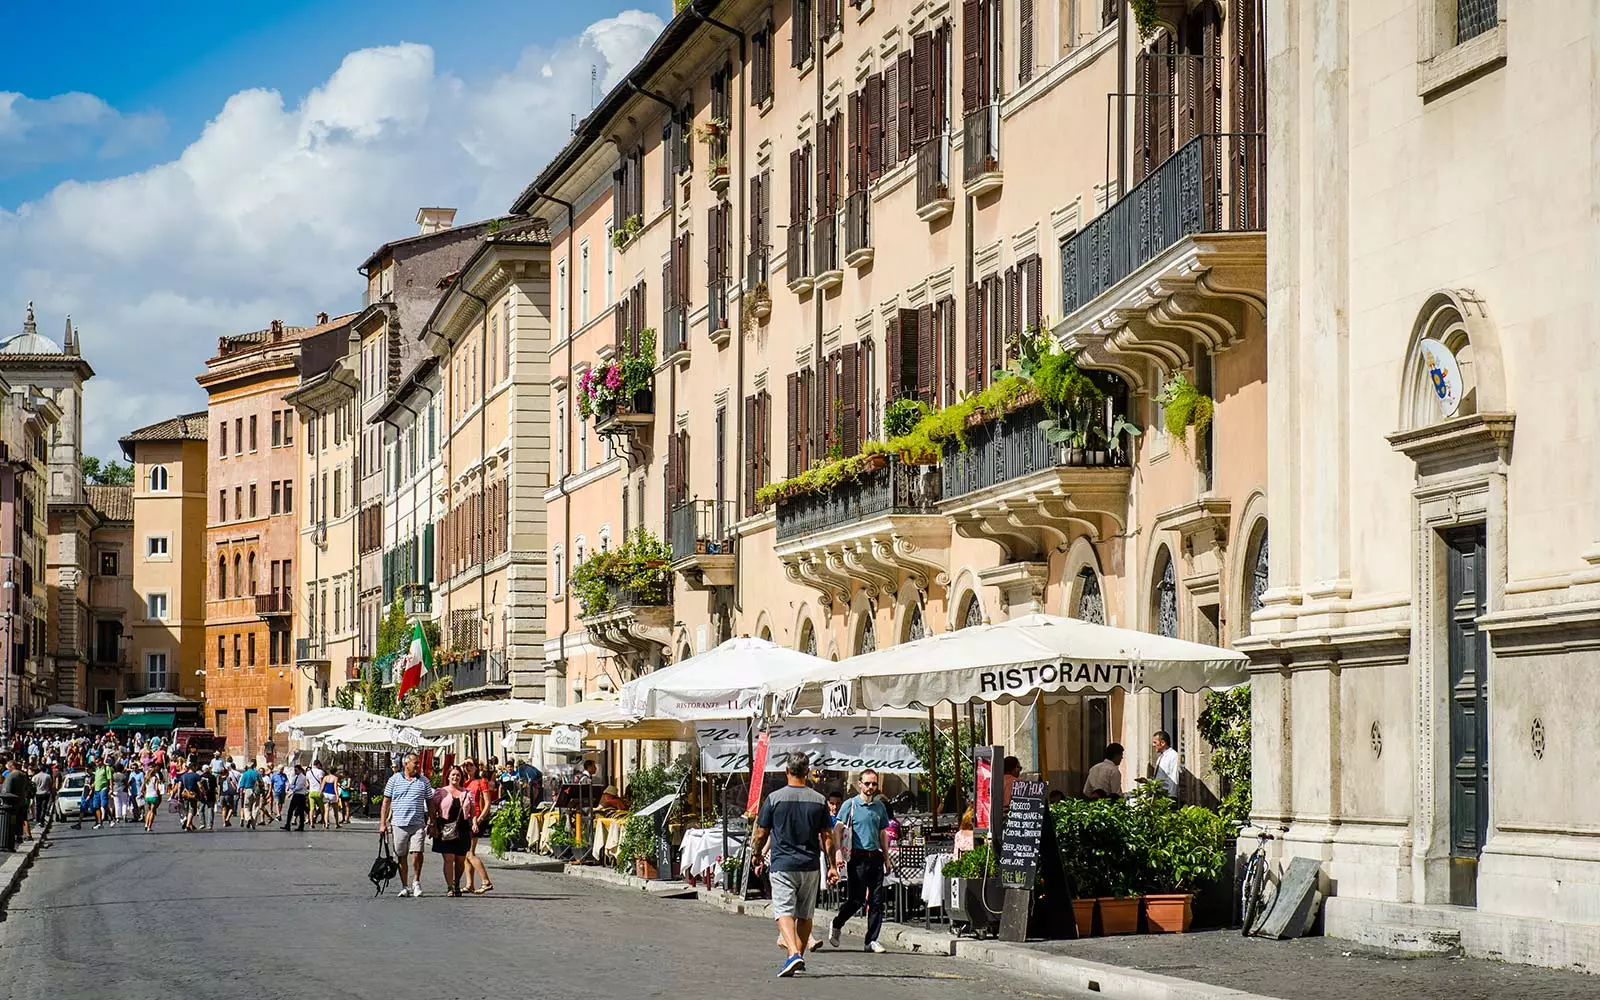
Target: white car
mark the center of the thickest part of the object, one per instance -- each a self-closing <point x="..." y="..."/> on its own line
<point x="70" y="793"/>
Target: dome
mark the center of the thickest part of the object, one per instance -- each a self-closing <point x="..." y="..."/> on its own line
<point x="30" y="343"/>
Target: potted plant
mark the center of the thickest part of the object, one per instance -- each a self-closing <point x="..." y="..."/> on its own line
<point x="976" y="895"/>
<point x="562" y="843"/>
<point x="1101" y="864"/>
<point x="1185" y="407"/>
<point x="1122" y="429"/>
<point x="1181" y="848"/>
<point x="757" y="305"/>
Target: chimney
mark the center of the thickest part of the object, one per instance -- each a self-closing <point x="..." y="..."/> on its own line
<point x="277" y="330"/>
<point x="434" y="220"/>
<point x="322" y="318"/>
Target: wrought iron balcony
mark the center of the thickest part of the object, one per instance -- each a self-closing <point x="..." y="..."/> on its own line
<point x="703" y="542"/>
<point x="274" y="603"/>
<point x="675" y="339"/>
<point x="310" y="650"/>
<point x="623" y="415"/>
<point x="858" y="229"/>
<point x="485" y="669"/>
<point x="981" y="150"/>
<point x="826" y="245"/>
<point x="933" y="179"/>
<point x="757" y="266"/>
<point x="798" y="265"/>
<point x="868" y="531"/>
<point x="717" y="322"/>
<point x="418" y="599"/>
<point x="1012" y="485"/>
<point x="1176" y="267"/>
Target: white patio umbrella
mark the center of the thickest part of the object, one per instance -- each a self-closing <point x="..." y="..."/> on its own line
<point x="734" y="678"/>
<point x="386" y="735"/>
<point x="491" y="713"/>
<point x="320" y="720"/>
<point x="1018" y="659"/>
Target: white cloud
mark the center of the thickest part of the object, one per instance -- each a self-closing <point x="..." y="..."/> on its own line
<point x="269" y="211"/>
<point x="68" y="127"/>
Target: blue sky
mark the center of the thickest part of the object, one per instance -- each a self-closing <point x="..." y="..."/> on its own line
<point x="169" y="178"/>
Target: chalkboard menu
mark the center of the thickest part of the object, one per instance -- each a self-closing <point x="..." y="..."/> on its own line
<point x="1021" y="838"/>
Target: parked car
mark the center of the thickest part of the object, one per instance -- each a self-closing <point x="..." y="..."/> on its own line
<point x="71" y="791"/>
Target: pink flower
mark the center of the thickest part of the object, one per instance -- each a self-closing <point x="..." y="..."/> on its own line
<point x="614" y="377"/>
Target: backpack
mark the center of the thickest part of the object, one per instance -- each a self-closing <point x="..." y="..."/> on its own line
<point x="384" y="867"/>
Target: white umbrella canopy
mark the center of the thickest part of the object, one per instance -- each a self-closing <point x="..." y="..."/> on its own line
<point x="382" y="734"/>
<point x="1023" y="657"/>
<point x="320" y="720"/>
<point x="491" y="713"/>
<point x="735" y="677"/>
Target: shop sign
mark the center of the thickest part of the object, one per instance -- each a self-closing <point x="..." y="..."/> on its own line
<point x="565" y="739"/>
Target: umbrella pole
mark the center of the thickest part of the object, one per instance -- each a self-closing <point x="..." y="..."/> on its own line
<point x="955" y="762"/>
<point x="933" y="769"/>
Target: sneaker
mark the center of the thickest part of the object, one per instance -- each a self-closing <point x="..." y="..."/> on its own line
<point x="97" y="826"/>
<point x="404" y="892"/>
<point x="875" y="948"/>
<point x="791" y="965"/>
<point x="833" y="937"/>
<point x="416" y="890"/>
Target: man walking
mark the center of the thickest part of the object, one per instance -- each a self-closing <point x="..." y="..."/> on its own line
<point x="795" y="819"/>
<point x="43" y="794"/>
<point x="249" y="791"/>
<point x="405" y="811"/>
<point x="189" y="795"/>
<point x="299" y="790"/>
<point x="102" y="791"/>
<point x="864" y="840"/>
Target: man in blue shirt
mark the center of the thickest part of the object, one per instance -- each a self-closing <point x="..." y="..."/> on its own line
<point x="863" y="836"/>
<point x="249" y="795"/>
<point x="795" y="818"/>
<point x="405" y="811"/>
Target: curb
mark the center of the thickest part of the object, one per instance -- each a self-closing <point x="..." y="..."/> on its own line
<point x="1068" y="973"/>
<point x="16" y="866"/>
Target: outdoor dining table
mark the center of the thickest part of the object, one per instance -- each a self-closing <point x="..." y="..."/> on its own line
<point x="701" y="847"/>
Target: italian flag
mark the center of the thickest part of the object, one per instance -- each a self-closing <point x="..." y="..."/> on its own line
<point x="417" y="661"/>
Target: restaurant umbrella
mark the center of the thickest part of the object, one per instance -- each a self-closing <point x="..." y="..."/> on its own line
<point x="735" y="677"/>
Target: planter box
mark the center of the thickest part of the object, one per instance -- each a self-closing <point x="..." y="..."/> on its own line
<point x="1118" y="916"/>
<point x="1168" y="913"/>
<point x="1083" y="911"/>
<point x="977" y="902"/>
<point x="644" y="869"/>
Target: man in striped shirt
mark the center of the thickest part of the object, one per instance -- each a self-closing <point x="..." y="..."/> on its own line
<point x="405" y="811"/>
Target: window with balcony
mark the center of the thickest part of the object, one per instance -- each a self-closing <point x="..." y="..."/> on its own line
<point x="798" y="263"/>
<point x="718" y="223"/>
<point x="801" y="425"/>
<point x="826" y="224"/>
<point x="981" y="89"/>
<point x="756" y="263"/>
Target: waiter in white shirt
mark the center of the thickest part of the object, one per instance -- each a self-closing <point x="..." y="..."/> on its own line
<point x="1167" y="767"/>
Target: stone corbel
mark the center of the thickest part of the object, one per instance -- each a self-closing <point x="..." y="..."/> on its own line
<point x="860" y="562"/>
<point x="923" y="566"/>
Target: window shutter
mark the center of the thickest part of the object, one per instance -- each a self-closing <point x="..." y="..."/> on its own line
<point x="971" y="56"/>
<point x="941" y="80"/>
<point x="892" y="370"/>
<point x="751" y="274"/>
<point x="850" y="398"/>
<point x="1009" y="327"/>
<point x="764" y="437"/>
<point x="683" y="270"/>
<point x="993" y="306"/>
<point x="865" y="378"/>
<point x="620" y="318"/>
<point x="828" y="425"/>
<point x="683" y="468"/>
<point x="1035" y="271"/>
<point x="1024" y="40"/>
<point x="856" y="177"/>
<point x="798" y="16"/>
<point x="910" y="357"/>
<point x="873" y="98"/>
<point x="751" y="455"/>
<point x="947" y="327"/>
<point x="808" y="417"/>
<point x="797" y="171"/>
<point x="890" y="98"/>
<point x="974" y="338"/>
<point x="636" y="315"/>
<point x="904" y="97"/>
<point x="927" y="361"/>
<point x="793" y="426"/>
<point x="921" y="88"/>
<point x="669" y="158"/>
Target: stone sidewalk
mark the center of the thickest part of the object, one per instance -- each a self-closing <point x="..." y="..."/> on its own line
<point x="1200" y="965"/>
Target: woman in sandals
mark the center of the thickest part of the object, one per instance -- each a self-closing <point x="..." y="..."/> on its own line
<point x="152" y="796"/>
<point x="482" y="795"/>
<point x="453" y="808"/>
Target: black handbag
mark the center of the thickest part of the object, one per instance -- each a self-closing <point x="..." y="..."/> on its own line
<point x="384" y="867"/>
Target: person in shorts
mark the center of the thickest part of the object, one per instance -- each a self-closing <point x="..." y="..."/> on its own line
<point x="405" y="812"/>
<point x="796" y="820"/>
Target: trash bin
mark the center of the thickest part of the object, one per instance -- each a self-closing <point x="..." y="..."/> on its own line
<point x="11" y="807"/>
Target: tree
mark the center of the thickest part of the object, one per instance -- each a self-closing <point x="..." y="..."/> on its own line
<point x="111" y="473"/>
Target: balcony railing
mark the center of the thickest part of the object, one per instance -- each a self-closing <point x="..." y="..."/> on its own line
<point x="716" y="304"/>
<point x="312" y="648"/>
<point x="628" y="411"/>
<point x="1011" y="448"/>
<point x="1213" y="184"/>
<point x="890" y="489"/>
<point x="826" y="243"/>
<point x="486" y="669"/>
<point x="418" y="599"/>
<point x="652" y="595"/>
<point x="799" y="262"/>
<point x="981" y="142"/>
<point x="933" y="172"/>
<point x="276" y="602"/>
<point x="702" y="527"/>
<point x="676" y="336"/>
<point x="757" y="267"/>
<point x="857" y="223"/>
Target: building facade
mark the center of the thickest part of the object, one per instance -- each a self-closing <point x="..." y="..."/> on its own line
<point x="27" y="421"/>
<point x="1423" y="658"/>
<point x="112" y="605"/>
<point x="832" y="209"/>
<point x="253" y="531"/>
<point x="169" y="557"/>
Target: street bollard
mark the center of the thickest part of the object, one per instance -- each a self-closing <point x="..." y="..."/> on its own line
<point x="9" y="806"/>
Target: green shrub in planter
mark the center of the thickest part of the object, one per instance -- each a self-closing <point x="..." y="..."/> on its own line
<point x="977" y="862"/>
<point x="1180" y="848"/>
<point x="508" y="831"/>
<point x="1096" y="847"/>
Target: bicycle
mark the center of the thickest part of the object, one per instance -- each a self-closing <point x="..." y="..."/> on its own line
<point x="1253" y="886"/>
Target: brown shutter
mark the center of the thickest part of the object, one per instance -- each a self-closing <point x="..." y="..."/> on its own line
<point x="808" y="416"/>
<point x="620" y="317"/>
<point x="764" y="438"/>
<point x="941" y="79"/>
<point x="971" y="56"/>
<point x="797" y="166"/>
<point x="921" y="88"/>
<point x="891" y="116"/>
<point x="1024" y="40"/>
<point x="993" y="305"/>
<point x="892" y="370"/>
<point x="910" y="356"/>
<point x="1035" y="271"/>
<point x="1009" y="325"/>
<point x="850" y="399"/>
<point x="793" y="426"/>
<point x="756" y="182"/>
<point x="636" y="315"/>
<point x="856" y="176"/>
<point x="824" y="160"/>
<point x="947" y="326"/>
<point x="974" y="338"/>
<point x="873" y="96"/>
<point x="683" y="468"/>
<point x="868" y="412"/>
<point x="683" y="271"/>
<point x="927" y="360"/>
<point x="904" y="97"/>
<point x="751" y="456"/>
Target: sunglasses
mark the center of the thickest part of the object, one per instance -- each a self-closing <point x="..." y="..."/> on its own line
<point x="869" y="784"/>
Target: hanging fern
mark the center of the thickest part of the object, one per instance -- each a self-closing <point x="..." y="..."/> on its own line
<point x="1185" y="407"/>
<point x="1145" y="16"/>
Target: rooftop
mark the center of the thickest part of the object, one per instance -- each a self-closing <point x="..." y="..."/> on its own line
<point x="184" y="427"/>
<point x="114" y="503"/>
<point x="278" y="332"/>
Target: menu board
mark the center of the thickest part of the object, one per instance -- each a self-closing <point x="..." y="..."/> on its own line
<point x="1022" y="836"/>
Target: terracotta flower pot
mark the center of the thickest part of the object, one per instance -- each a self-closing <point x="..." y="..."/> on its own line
<point x="1169" y="913"/>
<point x="1118" y="916"/>
<point x="643" y="868"/>
<point x="1083" y="913"/>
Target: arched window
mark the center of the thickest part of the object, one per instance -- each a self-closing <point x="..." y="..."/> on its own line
<point x="252" y="574"/>
<point x="238" y="576"/>
<point x="158" y="479"/>
<point x="1165" y="598"/>
<point x="867" y="637"/>
<point x="1255" y="576"/>
<point x="973" y="613"/>
<point x="916" y="624"/>
<point x="766" y="632"/>
<point x="808" y="639"/>
<point x="684" y="652"/>
<point x="222" y="578"/>
<point x="1091" y="606"/>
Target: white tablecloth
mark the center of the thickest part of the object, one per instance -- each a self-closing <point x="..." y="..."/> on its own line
<point x="933" y="880"/>
<point x="701" y="848"/>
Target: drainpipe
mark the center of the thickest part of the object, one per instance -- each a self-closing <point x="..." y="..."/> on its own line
<point x="561" y="483"/>
<point x="1123" y="16"/>
<point x="738" y="410"/>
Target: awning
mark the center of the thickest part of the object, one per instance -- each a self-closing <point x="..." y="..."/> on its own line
<point x="1024" y="658"/>
<point x="320" y="720"/>
<point x="489" y="713"/>
<point x="387" y="735"/>
<point x="144" y="720"/>
<point x="735" y="677"/>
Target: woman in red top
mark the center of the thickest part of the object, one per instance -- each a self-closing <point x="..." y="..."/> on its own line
<point x="483" y="794"/>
